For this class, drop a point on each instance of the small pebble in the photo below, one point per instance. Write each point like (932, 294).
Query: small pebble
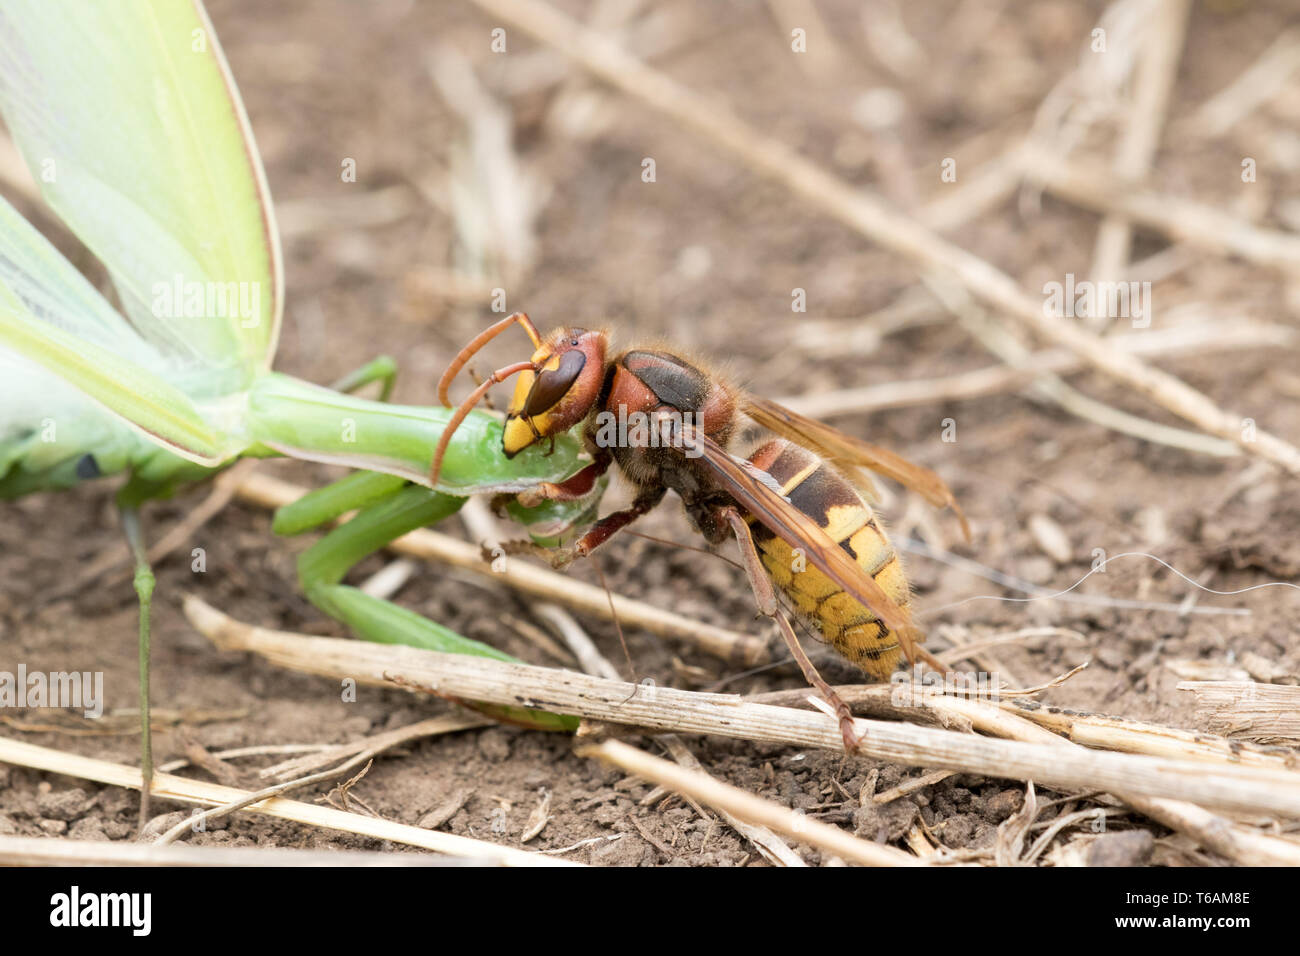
(1126, 848)
(1051, 538)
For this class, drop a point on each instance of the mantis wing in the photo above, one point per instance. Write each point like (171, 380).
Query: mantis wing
(131, 124)
(53, 321)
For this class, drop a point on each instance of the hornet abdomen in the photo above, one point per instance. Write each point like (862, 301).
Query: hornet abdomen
(822, 493)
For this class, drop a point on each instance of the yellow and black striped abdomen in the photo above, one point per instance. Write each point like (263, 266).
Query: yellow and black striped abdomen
(822, 493)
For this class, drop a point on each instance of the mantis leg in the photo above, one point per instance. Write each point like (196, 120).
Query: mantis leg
(144, 585)
(381, 369)
(361, 489)
(322, 567)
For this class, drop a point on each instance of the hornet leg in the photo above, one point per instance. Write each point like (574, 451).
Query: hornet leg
(500, 375)
(766, 597)
(608, 526)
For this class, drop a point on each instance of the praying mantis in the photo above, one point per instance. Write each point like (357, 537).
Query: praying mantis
(131, 124)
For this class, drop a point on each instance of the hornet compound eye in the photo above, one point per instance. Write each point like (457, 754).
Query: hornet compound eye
(552, 384)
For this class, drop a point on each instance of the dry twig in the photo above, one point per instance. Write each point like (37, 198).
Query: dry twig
(182, 790)
(1156, 70)
(1182, 220)
(772, 847)
(1264, 712)
(41, 851)
(746, 806)
(1247, 789)
(1193, 339)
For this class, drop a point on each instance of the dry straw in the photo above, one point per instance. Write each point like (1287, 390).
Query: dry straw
(41, 851)
(745, 806)
(1193, 339)
(1046, 761)
(1245, 709)
(196, 792)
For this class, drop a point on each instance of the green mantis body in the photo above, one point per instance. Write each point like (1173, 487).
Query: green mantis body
(132, 127)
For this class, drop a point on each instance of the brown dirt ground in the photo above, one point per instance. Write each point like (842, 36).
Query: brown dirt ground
(323, 81)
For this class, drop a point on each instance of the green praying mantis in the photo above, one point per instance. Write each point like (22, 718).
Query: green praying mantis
(132, 126)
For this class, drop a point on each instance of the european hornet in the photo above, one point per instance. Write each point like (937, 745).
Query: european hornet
(797, 506)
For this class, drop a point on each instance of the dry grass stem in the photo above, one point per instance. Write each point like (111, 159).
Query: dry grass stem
(200, 820)
(1264, 79)
(977, 194)
(42, 851)
(1156, 69)
(495, 200)
(911, 786)
(1264, 712)
(259, 751)
(993, 336)
(1192, 339)
(746, 806)
(590, 659)
(1246, 789)
(1237, 842)
(773, 849)
(1182, 220)
(389, 579)
(1240, 844)
(1096, 731)
(433, 727)
(196, 792)
(1135, 736)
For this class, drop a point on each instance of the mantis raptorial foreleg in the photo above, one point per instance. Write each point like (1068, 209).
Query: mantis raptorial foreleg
(387, 507)
(386, 513)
